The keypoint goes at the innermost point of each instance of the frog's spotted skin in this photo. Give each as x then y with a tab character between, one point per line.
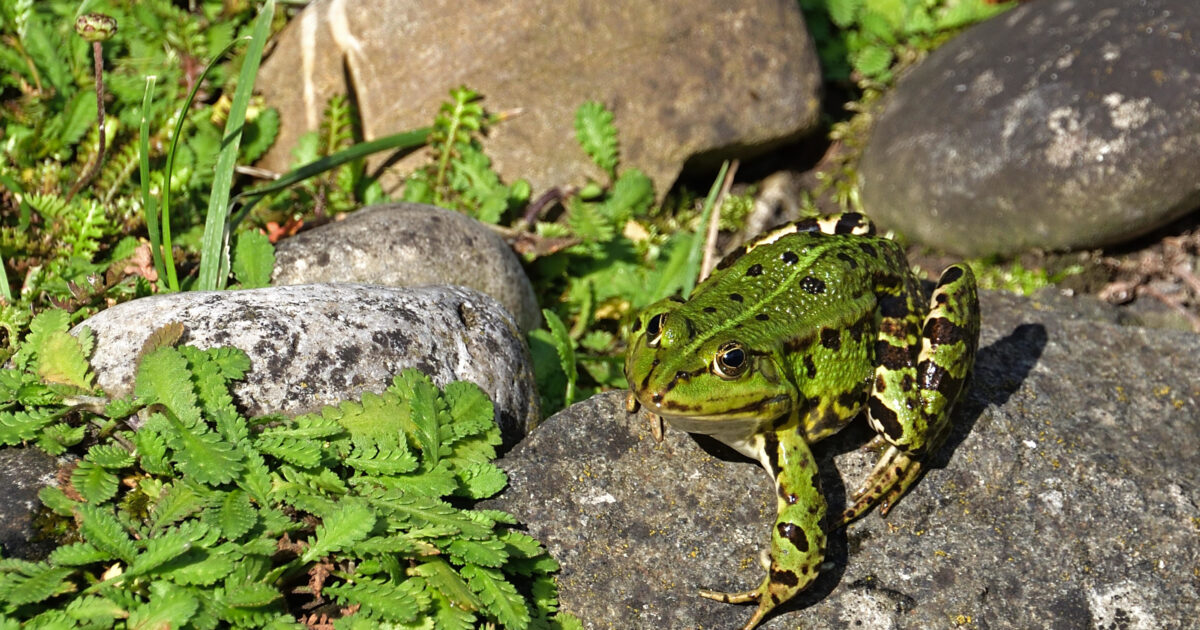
788	341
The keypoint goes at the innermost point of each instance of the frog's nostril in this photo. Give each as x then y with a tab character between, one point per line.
682	375
657	398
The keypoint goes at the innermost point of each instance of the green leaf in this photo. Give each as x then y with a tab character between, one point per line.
341	529
167	547
213	261
61	360
873	61
565	347
444	579
253	259
110	456
499	596
489	552
19	426
163	377
597	135
96	610
236	514
373	460
631	195
481	479
251	595
34	583
100	528
205	456
170	606
842	12
94	484
176	502
422	425
383	600
78	554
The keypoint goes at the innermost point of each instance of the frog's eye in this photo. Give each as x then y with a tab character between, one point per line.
731	361
654	329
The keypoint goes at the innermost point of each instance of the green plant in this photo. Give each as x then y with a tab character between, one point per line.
202	518
870	37
459	175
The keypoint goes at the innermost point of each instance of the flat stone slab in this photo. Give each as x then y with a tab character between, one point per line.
318	344
1060	124
1066	497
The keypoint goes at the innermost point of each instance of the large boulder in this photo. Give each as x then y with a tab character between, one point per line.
1061	124
1065	497
707	80
407	245
318	344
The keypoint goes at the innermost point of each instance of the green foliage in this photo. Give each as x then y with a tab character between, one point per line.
1015	277
224	521
867	39
459	175
597	135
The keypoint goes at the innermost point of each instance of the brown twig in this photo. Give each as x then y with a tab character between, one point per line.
95	28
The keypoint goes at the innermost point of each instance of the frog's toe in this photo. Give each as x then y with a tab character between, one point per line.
891	478
764	599
731	598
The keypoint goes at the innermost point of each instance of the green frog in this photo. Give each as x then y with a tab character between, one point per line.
783	345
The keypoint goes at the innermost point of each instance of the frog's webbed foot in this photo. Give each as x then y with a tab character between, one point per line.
891	478
762	595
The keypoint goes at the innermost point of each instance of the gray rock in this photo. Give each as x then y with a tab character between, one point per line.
704	80
410	245
23	471
315	345
1066	497
1061	124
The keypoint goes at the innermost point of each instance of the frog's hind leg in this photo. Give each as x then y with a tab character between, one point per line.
911	401
797	539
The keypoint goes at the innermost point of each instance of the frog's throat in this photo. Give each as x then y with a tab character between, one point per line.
741	434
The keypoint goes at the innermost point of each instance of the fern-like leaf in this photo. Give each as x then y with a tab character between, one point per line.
18	426
169	606
422	424
176	502
61	359
101	528
253	259
499	597
597	135
302	453
480	480
78	554
236	515
471	411
57	438
110	456
381	600
489	552
94	484
445	580
163	377
373	460
341	529
166	547
34	583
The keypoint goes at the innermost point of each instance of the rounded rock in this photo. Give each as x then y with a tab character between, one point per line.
409	245
1061	124
316	345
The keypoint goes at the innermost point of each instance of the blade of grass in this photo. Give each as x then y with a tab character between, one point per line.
148	209
214	263
399	141
172	281
692	268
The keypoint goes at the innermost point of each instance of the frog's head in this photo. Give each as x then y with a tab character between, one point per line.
704	380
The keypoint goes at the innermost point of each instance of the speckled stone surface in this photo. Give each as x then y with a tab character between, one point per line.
1067	497
410	245
313	345
1059	124
23	471
686	80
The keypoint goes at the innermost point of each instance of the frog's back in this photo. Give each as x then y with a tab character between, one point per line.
796	284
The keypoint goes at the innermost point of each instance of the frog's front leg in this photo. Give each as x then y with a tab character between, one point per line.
913	396
798	538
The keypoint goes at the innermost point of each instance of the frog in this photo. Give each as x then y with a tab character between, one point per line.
794	335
